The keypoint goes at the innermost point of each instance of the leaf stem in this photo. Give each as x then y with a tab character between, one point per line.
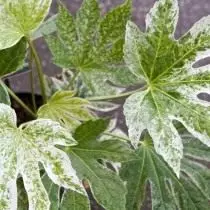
16	98
32	82
111	97
39	69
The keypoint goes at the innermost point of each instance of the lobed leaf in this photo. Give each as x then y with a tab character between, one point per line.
66	109
92	45
173	83
106	186
191	191
22	149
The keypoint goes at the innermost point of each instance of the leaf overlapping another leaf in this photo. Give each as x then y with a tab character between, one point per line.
64	199
21	151
173	83
93	45
191	191
107	188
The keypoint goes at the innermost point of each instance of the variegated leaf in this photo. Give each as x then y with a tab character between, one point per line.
19	18
191	191
63	107
93	46
22	149
173	83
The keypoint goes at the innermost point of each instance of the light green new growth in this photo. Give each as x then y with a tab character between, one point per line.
22	149
167	67
19	18
66	109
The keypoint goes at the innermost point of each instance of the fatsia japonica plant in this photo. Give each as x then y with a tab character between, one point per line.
74	153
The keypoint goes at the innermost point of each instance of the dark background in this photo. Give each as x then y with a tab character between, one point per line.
190	12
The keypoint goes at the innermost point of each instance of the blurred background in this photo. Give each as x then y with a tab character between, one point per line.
190	12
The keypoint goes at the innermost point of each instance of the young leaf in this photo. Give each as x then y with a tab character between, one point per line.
12	59
66	109
106	186
21	151
92	45
191	191
172	81
20	18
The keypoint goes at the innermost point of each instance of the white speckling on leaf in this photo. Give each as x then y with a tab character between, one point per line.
15	24
174	79
141	114
165	13
21	151
201	27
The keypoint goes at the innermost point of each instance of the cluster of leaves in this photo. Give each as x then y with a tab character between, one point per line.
50	162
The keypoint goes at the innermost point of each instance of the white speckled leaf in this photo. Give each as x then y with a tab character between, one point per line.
22	149
163	17
19	18
93	45
143	111
173	82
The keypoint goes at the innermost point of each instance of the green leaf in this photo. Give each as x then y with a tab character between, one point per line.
66	109
106	186
53	192
92	45
64	199
22	149
191	191
20	18
4	95
74	200
12	58
22	195
173	83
